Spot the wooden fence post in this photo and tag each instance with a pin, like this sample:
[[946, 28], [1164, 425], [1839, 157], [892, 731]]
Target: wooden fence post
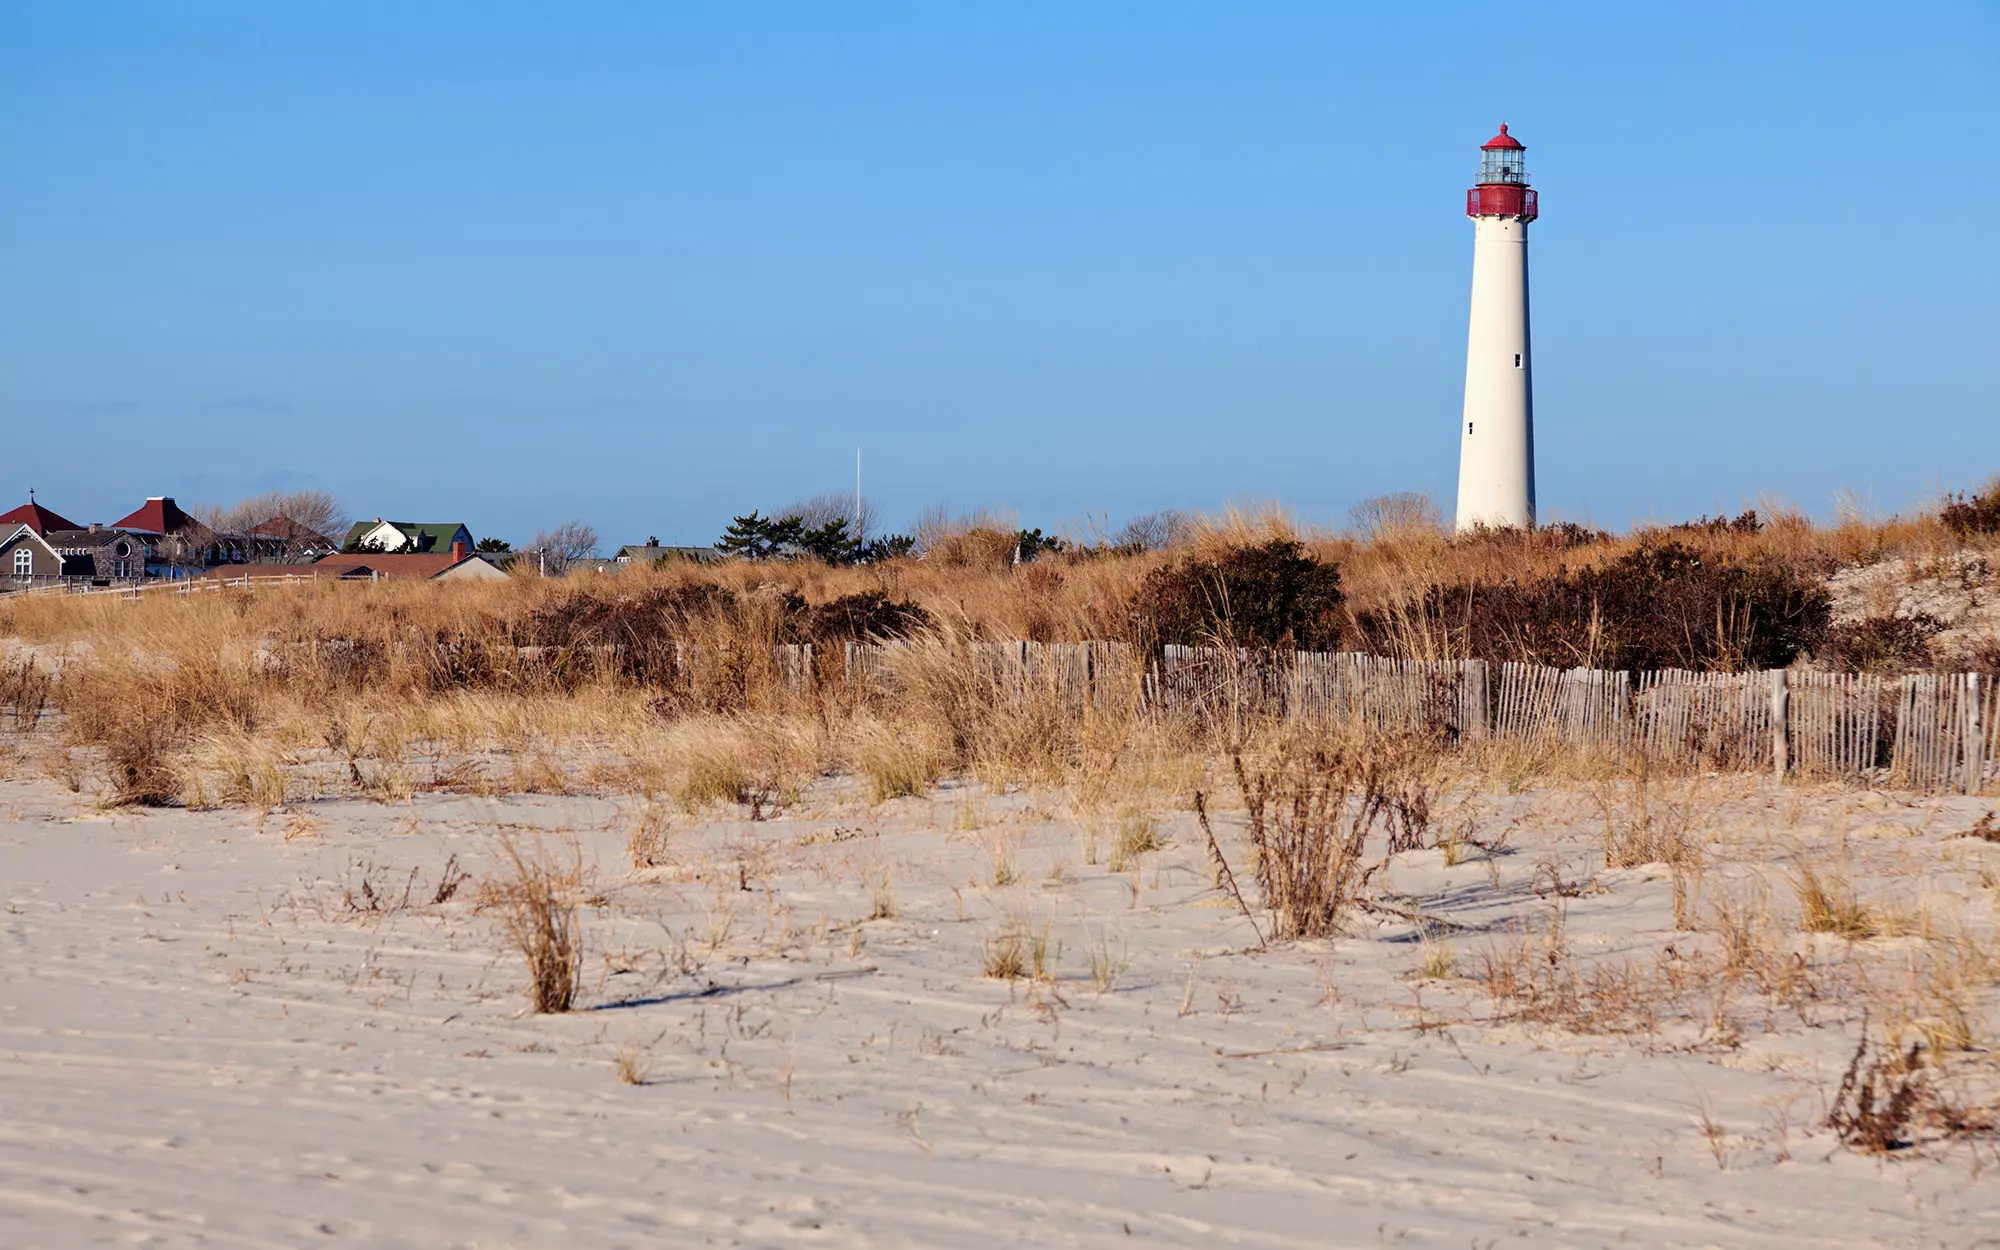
[[1781, 701], [1975, 736]]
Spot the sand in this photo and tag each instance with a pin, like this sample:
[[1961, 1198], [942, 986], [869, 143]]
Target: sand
[[221, 1028]]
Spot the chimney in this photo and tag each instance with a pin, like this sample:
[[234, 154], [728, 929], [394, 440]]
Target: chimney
[[94, 527], [457, 552]]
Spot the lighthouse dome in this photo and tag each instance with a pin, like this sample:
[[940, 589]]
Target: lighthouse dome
[[1503, 142]]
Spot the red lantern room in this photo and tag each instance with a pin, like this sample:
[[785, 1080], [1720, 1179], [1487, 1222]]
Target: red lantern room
[[1503, 189]]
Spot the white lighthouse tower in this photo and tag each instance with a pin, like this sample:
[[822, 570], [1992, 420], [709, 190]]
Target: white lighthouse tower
[[1496, 450]]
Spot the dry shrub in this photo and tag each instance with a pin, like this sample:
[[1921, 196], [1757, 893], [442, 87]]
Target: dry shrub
[[1663, 604], [860, 617], [389, 675], [1413, 784], [146, 711], [1879, 1098], [1880, 644], [1983, 829], [1972, 515], [538, 915], [1312, 804]]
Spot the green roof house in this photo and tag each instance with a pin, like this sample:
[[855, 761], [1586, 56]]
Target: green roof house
[[408, 537]]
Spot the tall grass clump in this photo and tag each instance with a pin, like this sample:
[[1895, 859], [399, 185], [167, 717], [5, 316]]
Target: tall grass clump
[[536, 897], [1827, 904]]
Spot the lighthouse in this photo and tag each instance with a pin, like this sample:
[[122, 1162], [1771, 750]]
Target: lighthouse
[[1496, 448]]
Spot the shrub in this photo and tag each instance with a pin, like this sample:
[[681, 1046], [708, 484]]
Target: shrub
[[641, 630], [1970, 515], [1311, 809], [1663, 605], [1273, 595], [887, 547], [855, 617], [1877, 1101], [1880, 644]]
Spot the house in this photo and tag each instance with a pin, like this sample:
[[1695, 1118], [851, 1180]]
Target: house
[[178, 545], [405, 536], [35, 517], [100, 554], [28, 558], [162, 517], [460, 563], [437, 566], [68, 551], [651, 552]]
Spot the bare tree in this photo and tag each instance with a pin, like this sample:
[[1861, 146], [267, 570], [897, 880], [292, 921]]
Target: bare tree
[[1380, 516], [309, 523], [1155, 531], [315, 510], [817, 511], [554, 551]]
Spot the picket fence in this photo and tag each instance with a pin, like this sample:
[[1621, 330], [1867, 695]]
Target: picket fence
[[1925, 731]]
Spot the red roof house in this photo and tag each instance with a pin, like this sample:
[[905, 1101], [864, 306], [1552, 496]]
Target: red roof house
[[160, 515], [36, 518]]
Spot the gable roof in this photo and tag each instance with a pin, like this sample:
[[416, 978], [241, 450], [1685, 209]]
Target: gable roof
[[79, 540], [8, 537], [159, 515], [421, 567], [36, 518], [424, 536], [633, 552]]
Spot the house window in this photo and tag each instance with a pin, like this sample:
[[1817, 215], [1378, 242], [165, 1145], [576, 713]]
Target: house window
[[24, 562]]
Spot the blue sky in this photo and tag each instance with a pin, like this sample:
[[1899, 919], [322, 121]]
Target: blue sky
[[652, 264]]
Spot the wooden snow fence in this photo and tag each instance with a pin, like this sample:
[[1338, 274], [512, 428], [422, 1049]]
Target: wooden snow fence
[[1079, 674], [1926, 731], [1834, 724], [1944, 732], [1581, 708], [1718, 720]]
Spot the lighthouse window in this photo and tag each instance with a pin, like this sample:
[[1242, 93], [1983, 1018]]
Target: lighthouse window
[[1517, 360], [1468, 427]]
